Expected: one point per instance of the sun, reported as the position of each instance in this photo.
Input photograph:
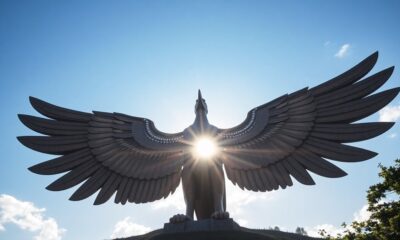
(205, 148)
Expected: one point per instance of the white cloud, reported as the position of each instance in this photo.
(329, 228)
(392, 135)
(237, 199)
(343, 51)
(242, 222)
(127, 228)
(28, 217)
(389, 114)
(175, 201)
(363, 214)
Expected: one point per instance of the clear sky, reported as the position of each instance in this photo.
(148, 58)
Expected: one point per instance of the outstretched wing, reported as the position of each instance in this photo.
(296, 133)
(112, 152)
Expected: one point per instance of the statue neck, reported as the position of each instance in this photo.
(201, 118)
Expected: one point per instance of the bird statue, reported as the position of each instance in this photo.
(279, 141)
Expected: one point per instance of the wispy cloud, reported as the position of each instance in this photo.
(175, 201)
(237, 200)
(393, 135)
(127, 228)
(242, 222)
(343, 51)
(329, 229)
(389, 114)
(28, 217)
(361, 215)
(327, 43)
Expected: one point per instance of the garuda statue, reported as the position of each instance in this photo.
(279, 141)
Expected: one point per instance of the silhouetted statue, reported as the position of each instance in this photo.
(284, 138)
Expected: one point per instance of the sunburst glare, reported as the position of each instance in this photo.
(205, 148)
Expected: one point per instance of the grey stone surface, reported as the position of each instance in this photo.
(201, 225)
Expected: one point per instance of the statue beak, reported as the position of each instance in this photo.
(200, 102)
(199, 96)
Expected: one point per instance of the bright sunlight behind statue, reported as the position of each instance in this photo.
(205, 148)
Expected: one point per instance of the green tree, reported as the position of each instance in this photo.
(384, 205)
(301, 231)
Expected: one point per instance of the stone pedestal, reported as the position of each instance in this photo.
(206, 225)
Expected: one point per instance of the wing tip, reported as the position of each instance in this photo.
(372, 154)
(54, 186)
(339, 173)
(396, 90)
(36, 169)
(375, 55)
(27, 120)
(75, 197)
(25, 140)
(99, 201)
(72, 198)
(42, 169)
(35, 101)
(387, 73)
(386, 126)
(370, 61)
(22, 117)
(309, 182)
(390, 93)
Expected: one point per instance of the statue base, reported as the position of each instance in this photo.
(205, 225)
(210, 229)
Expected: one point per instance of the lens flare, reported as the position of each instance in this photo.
(205, 148)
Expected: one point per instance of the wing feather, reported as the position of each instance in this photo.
(265, 180)
(126, 192)
(348, 77)
(121, 190)
(91, 185)
(108, 189)
(284, 174)
(350, 132)
(133, 192)
(59, 113)
(356, 91)
(52, 127)
(298, 171)
(63, 163)
(303, 130)
(54, 145)
(358, 109)
(74, 177)
(277, 175)
(337, 151)
(318, 165)
(101, 150)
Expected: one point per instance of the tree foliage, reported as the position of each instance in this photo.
(301, 231)
(384, 206)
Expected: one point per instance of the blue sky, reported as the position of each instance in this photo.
(148, 58)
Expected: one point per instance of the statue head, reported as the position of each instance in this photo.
(200, 104)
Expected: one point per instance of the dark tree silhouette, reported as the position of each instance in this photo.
(384, 205)
(301, 231)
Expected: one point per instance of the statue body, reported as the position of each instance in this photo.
(203, 180)
(284, 139)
